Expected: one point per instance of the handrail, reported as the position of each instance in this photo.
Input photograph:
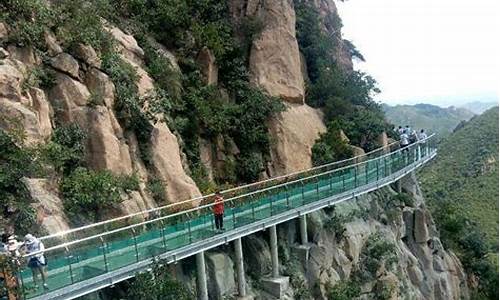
(70, 243)
(62, 233)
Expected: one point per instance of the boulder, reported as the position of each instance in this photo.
(42, 108)
(48, 205)
(11, 78)
(220, 271)
(3, 53)
(15, 116)
(420, 231)
(3, 31)
(101, 86)
(53, 47)
(66, 64)
(294, 132)
(88, 55)
(127, 45)
(26, 55)
(106, 147)
(69, 98)
(274, 56)
(167, 163)
(257, 255)
(209, 69)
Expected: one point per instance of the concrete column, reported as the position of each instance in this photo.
(303, 229)
(399, 188)
(240, 270)
(274, 251)
(202, 276)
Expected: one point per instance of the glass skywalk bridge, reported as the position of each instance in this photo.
(92, 257)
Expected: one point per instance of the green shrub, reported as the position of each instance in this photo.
(330, 147)
(376, 252)
(156, 188)
(344, 290)
(27, 20)
(158, 284)
(74, 15)
(87, 193)
(249, 166)
(66, 149)
(40, 77)
(15, 163)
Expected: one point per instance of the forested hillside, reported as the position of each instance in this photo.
(461, 186)
(430, 117)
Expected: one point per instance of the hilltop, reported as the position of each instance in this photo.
(427, 116)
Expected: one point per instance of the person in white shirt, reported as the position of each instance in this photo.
(404, 140)
(422, 135)
(36, 262)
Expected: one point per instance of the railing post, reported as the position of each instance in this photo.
(317, 188)
(253, 209)
(163, 234)
(343, 180)
(355, 176)
(271, 203)
(135, 245)
(287, 196)
(378, 160)
(68, 257)
(104, 254)
(189, 231)
(302, 188)
(366, 172)
(234, 216)
(331, 182)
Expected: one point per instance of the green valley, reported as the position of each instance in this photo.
(461, 187)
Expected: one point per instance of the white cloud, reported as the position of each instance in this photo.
(427, 50)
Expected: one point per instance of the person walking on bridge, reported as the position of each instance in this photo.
(218, 209)
(36, 262)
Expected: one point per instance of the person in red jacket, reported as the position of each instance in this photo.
(219, 211)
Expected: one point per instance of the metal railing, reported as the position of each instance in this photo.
(120, 244)
(134, 218)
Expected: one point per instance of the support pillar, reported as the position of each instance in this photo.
(274, 251)
(303, 229)
(276, 285)
(399, 187)
(240, 271)
(202, 276)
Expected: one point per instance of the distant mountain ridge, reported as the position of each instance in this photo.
(479, 107)
(427, 116)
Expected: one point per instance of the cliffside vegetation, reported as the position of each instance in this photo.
(462, 190)
(345, 95)
(231, 109)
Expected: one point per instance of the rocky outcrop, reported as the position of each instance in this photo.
(209, 69)
(167, 163)
(22, 109)
(294, 132)
(275, 63)
(220, 275)
(48, 206)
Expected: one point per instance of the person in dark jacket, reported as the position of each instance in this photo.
(218, 209)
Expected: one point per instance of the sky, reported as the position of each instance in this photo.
(443, 52)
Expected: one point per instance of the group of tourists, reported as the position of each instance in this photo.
(408, 136)
(11, 254)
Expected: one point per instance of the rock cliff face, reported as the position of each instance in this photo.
(108, 147)
(340, 240)
(274, 57)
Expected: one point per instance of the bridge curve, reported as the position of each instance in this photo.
(90, 258)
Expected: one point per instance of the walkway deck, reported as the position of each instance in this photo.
(90, 258)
